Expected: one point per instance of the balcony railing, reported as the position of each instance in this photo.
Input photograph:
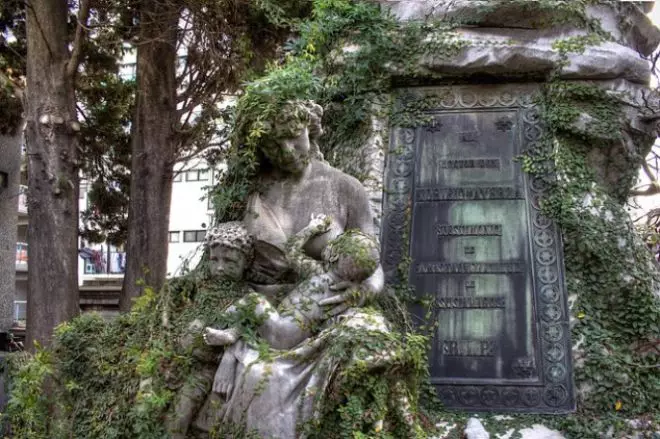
(103, 262)
(21, 256)
(22, 200)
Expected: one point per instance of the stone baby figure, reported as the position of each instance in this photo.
(350, 258)
(231, 252)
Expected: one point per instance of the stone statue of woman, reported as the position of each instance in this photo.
(275, 397)
(296, 186)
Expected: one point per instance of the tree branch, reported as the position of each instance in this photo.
(651, 190)
(192, 155)
(81, 112)
(649, 172)
(76, 51)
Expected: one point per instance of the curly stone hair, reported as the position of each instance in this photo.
(234, 235)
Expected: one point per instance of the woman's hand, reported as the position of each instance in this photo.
(350, 296)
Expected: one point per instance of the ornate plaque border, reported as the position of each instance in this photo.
(555, 392)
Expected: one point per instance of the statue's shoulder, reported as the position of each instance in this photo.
(344, 182)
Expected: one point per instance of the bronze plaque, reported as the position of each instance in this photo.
(485, 263)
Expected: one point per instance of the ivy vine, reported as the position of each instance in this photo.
(347, 58)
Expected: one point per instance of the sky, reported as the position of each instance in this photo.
(655, 15)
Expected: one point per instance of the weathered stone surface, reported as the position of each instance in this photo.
(627, 23)
(632, 24)
(536, 431)
(373, 159)
(475, 430)
(507, 52)
(280, 250)
(638, 130)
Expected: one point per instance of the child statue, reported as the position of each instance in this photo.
(231, 252)
(351, 258)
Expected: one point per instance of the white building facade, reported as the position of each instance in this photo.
(190, 214)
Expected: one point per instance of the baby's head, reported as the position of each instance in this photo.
(353, 256)
(231, 249)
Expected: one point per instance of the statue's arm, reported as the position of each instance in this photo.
(359, 216)
(303, 265)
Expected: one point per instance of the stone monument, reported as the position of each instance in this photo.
(460, 212)
(307, 250)
(458, 204)
(495, 144)
(481, 250)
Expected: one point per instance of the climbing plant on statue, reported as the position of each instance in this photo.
(346, 59)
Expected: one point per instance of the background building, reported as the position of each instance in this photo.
(101, 266)
(20, 300)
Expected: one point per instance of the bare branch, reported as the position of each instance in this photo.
(649, 172)
(194, 154)
(81, 111)
(76, 51)
(651, 190)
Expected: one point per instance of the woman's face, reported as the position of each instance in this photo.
(291, 154)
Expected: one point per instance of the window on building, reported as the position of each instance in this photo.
(127, 71)
(194, 235)
(178, 177)
(197, 175)
(20, 310)
(174, 236)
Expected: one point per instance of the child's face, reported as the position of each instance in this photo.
(227, 262)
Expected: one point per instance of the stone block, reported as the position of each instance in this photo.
(527, 52)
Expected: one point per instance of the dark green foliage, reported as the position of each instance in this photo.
(105, 108)
(349, 84)
(105, 140)
(12, 65)
(610, 274)
(359, 397)
(117, 379)
(609, 269)
(250, 33)
(12, 113)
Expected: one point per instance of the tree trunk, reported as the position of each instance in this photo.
(153, 150)
(10, 162)
(52, 150)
